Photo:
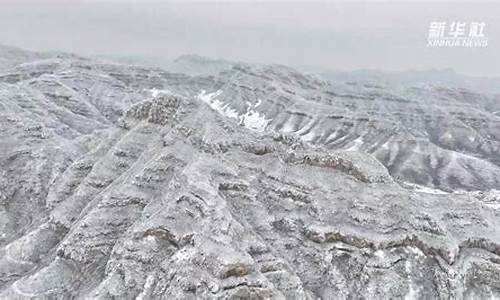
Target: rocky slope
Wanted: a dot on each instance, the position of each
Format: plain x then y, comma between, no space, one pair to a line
132,182
432,136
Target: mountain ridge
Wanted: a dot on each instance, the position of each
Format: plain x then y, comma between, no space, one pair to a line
130,182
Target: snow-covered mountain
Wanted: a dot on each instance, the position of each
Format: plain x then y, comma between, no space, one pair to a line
121,181
439,137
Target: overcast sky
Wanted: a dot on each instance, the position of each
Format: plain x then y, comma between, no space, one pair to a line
335,34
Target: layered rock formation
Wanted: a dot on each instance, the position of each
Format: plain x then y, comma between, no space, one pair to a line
259,182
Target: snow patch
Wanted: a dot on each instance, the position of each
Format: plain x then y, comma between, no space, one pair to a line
423,189
218,106
288,126
447,136
259,102
355,145
495,206
416,251
156,92
433,161
413,290
307,128
309,136
393,153
252,119
380,254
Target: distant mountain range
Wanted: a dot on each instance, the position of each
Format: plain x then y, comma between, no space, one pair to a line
443,78
194,64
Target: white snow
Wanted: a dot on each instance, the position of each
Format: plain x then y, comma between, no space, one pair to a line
416,251
413,290
252,119
207,98
393,148
355,145
259,102
447,136
427,190
495,206
307,128
156,92
433,161
218,106
288,126
380,254
224,109
309,136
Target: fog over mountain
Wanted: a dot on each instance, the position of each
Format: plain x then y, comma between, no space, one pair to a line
338,35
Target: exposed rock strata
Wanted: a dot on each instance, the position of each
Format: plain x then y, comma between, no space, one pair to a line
107,190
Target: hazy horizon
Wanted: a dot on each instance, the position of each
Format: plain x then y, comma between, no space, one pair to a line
338,35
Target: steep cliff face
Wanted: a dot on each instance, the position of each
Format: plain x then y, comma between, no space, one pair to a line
121,181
